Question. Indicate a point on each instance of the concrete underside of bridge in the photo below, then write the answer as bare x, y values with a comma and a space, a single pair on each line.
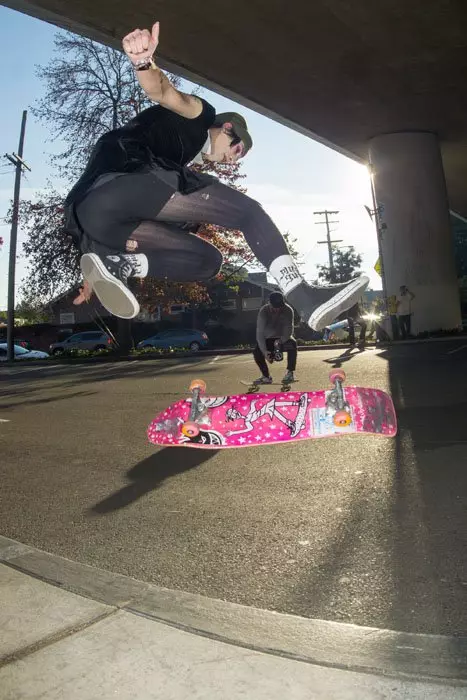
340, 71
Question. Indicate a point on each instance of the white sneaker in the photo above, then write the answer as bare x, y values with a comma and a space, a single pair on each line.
108, 280
263, 380
337, 302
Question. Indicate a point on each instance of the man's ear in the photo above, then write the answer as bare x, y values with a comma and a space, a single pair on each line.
227, 127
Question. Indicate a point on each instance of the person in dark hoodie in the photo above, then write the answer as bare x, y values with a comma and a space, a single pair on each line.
274, 330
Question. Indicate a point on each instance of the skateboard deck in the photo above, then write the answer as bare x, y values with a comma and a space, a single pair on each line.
248, 420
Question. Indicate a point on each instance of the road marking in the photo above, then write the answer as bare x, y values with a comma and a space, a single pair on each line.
22, 370
451, 352
4, 420
214, 359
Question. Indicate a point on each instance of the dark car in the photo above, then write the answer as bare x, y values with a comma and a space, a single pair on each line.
86, 340
176, 338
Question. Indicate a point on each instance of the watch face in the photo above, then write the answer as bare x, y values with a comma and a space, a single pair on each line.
144, 64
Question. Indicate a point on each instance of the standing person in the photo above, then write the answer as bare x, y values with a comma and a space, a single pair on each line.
275, 323
392, 311
354, 315
404, 310
129, 209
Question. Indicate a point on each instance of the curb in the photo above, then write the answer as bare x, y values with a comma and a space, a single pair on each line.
416, 657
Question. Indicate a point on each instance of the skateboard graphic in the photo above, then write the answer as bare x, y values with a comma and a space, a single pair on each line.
245, 420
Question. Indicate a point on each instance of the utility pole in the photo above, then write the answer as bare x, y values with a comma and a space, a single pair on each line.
18, 162
328, 240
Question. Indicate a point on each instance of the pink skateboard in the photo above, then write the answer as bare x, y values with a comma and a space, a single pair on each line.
264, 419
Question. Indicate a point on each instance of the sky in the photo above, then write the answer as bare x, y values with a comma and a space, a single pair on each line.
288, 173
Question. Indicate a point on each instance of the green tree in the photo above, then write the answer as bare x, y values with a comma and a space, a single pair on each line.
346, 265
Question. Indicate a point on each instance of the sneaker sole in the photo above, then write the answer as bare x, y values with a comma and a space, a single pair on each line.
340, 302
112, 293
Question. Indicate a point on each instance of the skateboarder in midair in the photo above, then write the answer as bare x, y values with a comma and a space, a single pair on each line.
129, 209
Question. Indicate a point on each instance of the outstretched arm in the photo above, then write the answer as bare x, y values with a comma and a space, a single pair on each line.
140, 46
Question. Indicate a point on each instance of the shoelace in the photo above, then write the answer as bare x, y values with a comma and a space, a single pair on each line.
125, 270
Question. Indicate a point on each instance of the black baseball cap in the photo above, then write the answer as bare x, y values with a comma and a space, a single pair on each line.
276, 299
239, 127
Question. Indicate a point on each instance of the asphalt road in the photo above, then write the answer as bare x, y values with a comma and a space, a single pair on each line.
360, 529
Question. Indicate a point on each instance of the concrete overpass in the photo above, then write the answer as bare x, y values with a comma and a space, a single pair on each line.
381, 82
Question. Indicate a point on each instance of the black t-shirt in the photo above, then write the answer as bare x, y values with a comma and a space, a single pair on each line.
156, 135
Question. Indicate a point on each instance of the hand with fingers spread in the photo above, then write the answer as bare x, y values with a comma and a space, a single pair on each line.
85, 293
141, 44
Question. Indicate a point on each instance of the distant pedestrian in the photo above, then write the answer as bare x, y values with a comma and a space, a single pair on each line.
404, 310
392, 311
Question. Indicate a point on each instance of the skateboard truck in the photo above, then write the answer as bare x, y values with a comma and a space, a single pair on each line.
190, 427
336, 401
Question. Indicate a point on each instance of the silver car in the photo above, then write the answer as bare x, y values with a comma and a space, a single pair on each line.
21, 353
86, 340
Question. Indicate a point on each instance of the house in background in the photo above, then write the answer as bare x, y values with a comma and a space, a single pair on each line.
230, 318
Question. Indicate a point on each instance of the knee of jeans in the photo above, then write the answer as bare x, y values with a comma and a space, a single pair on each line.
252, 211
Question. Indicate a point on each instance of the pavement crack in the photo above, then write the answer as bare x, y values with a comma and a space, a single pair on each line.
54, 638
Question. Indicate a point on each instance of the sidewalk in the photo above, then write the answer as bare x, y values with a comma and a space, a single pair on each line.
75, 632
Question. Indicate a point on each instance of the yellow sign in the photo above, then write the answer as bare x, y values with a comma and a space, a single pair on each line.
377, 268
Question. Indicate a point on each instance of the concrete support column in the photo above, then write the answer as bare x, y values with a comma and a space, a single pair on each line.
416, 239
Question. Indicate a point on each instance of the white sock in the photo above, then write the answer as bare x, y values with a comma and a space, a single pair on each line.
285, 271
139, 263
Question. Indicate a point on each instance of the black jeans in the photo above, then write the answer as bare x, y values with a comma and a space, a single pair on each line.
290, 346
362, 325
148, 209
404, 323
394, 326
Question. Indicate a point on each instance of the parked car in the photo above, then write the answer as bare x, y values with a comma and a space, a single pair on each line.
176, 338
86, 340
22, 353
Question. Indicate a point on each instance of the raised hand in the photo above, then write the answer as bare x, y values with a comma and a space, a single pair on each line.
141, 43
85, 293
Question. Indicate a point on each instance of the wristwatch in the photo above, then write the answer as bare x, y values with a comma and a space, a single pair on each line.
145, 64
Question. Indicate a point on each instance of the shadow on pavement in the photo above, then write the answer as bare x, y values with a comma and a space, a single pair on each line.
430, 487
49, 399
402, 548
25, 383
347, 355
149, 474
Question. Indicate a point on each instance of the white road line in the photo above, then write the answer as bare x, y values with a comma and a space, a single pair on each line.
4, 420
451, 352
214, 359
22, 370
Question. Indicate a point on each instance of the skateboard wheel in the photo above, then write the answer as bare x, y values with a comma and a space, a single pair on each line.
337, 374
198, 384
342, 419
190, 429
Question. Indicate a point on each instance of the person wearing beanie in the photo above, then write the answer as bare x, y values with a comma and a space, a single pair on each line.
275, 323
129, 210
